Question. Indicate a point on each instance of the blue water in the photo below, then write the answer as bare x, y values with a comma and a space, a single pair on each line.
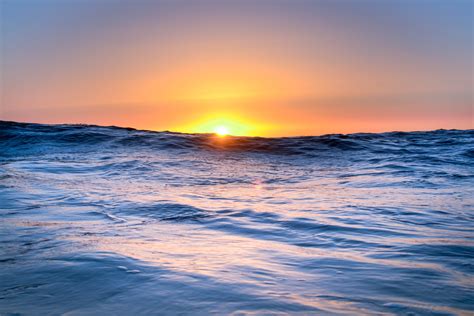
106, 220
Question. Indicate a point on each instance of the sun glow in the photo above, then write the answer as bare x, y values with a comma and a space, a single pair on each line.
221, 130
223, 124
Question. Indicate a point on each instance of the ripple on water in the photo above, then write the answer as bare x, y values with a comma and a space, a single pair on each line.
105, 220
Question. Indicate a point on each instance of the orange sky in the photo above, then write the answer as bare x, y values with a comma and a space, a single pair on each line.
265, 68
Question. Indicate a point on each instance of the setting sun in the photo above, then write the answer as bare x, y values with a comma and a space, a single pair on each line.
223, 124
221, 130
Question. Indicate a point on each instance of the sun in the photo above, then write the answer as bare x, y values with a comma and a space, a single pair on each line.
222, 125
221, 130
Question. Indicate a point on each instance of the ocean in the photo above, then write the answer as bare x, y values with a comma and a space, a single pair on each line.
117, 221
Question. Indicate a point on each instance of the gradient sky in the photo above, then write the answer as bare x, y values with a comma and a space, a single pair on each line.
270, 68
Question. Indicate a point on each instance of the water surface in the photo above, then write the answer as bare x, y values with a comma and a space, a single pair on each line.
106, 220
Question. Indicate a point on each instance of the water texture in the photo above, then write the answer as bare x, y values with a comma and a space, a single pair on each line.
106, 220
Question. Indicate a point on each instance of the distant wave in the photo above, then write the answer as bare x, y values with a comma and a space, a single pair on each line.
28, 136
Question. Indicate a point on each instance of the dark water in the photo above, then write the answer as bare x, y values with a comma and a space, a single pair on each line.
105, 220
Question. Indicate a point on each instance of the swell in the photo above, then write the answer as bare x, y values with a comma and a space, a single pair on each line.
377, 221
29, 138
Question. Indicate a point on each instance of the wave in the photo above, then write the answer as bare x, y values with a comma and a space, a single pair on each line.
31, 137
94, 219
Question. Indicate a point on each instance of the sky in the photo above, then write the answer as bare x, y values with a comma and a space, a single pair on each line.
262, 67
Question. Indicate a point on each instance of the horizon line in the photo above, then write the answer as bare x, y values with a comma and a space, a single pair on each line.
230, 135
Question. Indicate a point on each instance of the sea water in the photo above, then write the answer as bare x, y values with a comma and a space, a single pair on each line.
106, 220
